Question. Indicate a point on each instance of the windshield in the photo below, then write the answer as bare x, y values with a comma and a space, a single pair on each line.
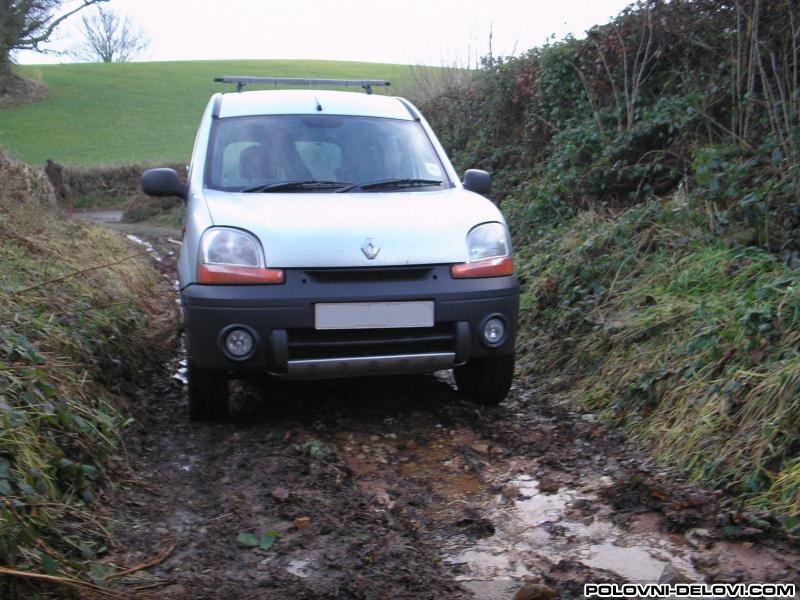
321, 153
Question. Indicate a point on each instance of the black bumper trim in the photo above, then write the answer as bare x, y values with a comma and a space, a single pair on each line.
283, 317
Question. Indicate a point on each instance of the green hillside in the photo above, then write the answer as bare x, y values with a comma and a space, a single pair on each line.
141, 112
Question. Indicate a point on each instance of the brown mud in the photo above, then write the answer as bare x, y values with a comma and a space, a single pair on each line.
20, 91
401, 488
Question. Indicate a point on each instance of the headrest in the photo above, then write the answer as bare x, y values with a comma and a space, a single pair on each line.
252, 164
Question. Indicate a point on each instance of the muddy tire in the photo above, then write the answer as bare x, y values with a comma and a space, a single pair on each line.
208, 394
486, 380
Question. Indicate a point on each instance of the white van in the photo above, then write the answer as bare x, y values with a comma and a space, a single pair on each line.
327, 235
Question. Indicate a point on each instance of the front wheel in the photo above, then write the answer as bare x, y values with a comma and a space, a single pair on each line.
208, 394
486, 380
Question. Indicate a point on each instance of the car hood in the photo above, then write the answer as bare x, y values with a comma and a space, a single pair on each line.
328, 229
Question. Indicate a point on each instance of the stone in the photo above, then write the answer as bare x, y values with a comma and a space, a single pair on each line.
548, 485
671, 575
535, 591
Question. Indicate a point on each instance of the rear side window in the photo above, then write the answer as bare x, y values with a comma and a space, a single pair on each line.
251, 151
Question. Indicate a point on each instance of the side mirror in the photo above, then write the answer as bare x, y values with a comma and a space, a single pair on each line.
477, 181
163, 182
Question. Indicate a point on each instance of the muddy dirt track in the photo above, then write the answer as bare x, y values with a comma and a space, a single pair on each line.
400, 488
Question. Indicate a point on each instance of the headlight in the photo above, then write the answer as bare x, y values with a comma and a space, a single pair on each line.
489, 252
233, 256
220, 246
487, 241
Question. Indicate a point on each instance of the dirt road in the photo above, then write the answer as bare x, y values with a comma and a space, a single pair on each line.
400, 488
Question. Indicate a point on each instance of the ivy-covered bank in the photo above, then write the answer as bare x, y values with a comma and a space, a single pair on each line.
81, 308
650, 176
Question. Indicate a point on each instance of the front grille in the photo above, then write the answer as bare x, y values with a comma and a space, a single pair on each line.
311, 343
368, 274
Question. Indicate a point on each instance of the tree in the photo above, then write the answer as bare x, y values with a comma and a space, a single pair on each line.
27, 24
111, 37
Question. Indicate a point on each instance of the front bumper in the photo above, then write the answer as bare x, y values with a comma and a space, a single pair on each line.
281, 319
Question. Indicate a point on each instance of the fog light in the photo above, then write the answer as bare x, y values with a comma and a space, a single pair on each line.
494, 331
239, 343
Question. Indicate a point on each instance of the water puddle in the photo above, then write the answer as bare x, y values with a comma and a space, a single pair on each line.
494, 542
180, 372
632, 563
299, 568
428, 465
534, 530
502, 519
147, 245
99, 216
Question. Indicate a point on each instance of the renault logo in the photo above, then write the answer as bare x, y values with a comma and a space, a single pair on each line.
370, 249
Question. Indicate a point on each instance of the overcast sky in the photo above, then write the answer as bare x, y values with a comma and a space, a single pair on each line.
436, 32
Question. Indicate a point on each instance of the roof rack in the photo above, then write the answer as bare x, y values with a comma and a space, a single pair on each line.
367, 84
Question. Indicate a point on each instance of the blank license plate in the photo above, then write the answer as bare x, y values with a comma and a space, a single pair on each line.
373, 315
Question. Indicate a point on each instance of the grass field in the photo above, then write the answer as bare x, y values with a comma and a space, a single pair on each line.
109, 114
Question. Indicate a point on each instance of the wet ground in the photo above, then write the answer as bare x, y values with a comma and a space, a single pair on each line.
400, 488
99, 216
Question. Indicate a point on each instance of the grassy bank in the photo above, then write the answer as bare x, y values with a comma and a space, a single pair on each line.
688, 344
121, 113
81, 308
650, 176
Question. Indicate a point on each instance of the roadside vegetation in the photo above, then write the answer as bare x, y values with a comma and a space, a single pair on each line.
81, 309
108, 188
121, 113
650, 176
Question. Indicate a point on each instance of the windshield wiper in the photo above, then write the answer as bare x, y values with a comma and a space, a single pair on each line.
287, 186
390, 183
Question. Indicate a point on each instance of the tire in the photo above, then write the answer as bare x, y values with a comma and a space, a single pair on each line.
208, 394
486, 380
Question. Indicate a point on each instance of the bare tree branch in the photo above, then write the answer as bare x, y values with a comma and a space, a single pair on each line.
36, 19
110, 37
26, 24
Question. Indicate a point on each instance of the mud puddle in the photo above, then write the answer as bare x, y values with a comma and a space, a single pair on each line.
516, 495
535, 530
